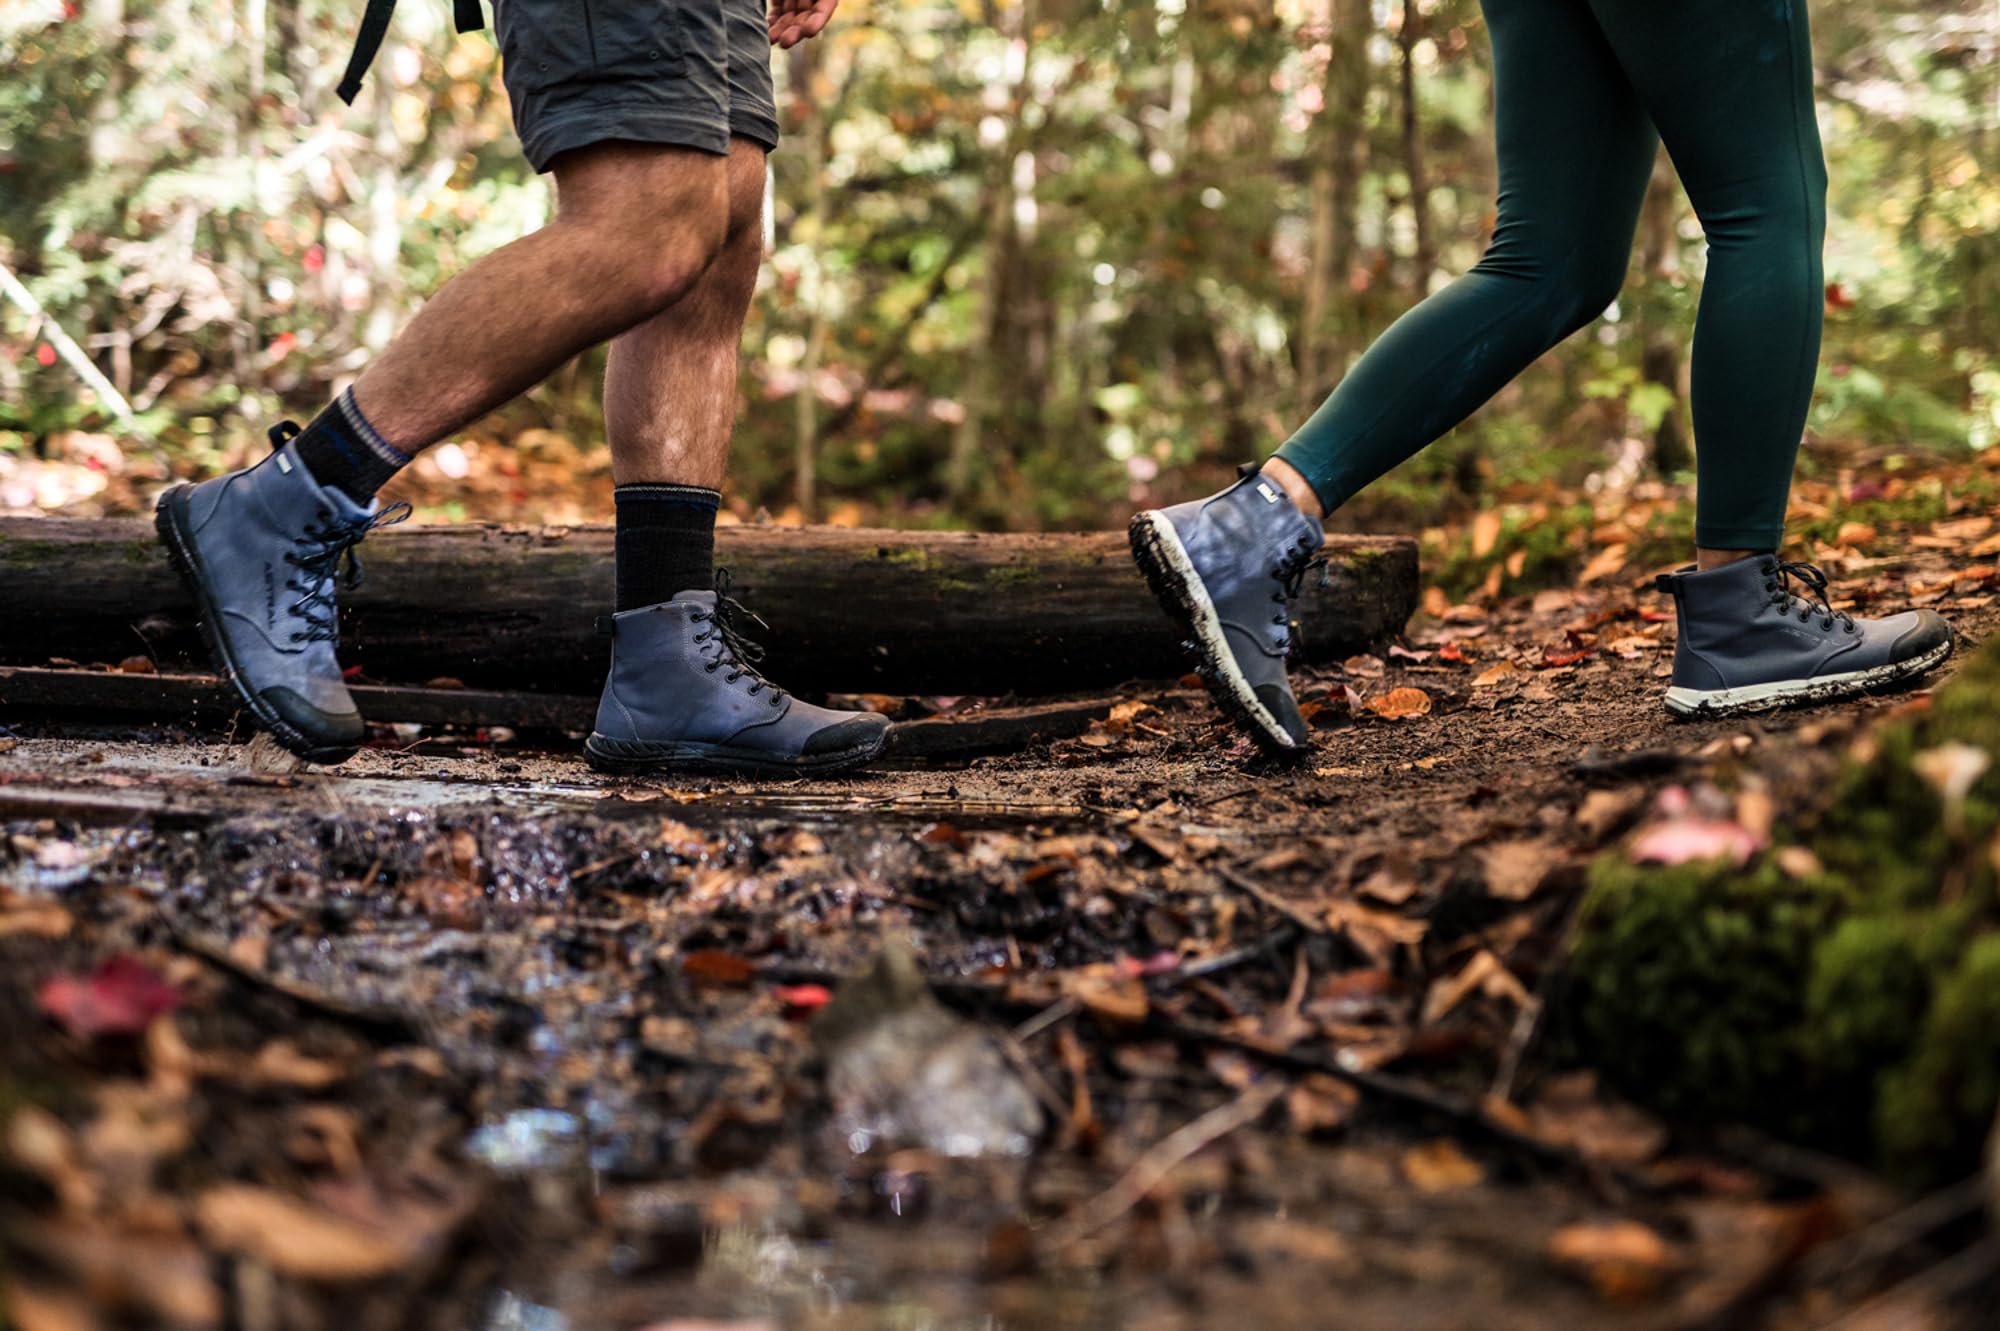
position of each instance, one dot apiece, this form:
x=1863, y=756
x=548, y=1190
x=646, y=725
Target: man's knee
x=658, y=216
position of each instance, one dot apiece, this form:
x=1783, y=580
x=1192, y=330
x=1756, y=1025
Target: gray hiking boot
x=682, y=694
x=1750, y=642
x=259, y=551
x=1226, y=568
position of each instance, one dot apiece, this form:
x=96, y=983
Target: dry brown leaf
x=1856, y=534
x=1485, y=533
x=1437, y=605
x=1605, y=563
x=1319, y=1104
x=1495, y=674
x=1516, y=870
x=1440, y=1166
x=1798, y=862
x=295, y=1238
x=1398, y=704
x=1116, y=999
x=1485, y=973
x=1363, y=666
x=1623, y=1259
x=1604, y=811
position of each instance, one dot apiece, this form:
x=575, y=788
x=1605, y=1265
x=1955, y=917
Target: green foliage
x=1859, y=1007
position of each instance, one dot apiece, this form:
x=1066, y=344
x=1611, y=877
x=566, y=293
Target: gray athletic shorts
x=685, y=72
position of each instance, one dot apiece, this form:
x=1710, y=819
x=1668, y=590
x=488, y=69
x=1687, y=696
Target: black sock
x=341, y=449
x=665, y=542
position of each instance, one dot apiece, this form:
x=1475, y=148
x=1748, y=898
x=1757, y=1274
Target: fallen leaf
x=1398, y=704
x=1855, y=534
x=1495, y=674
x=1799, y=862
x=803, y=998
x=1485, y=973
x=1320, y=1104
x=1436, y=603
x=1363, y=667
x=1118, y=1000
x=1440, y=1166
x=717, y=968
x=1680, y=840
x=295, y=1238
x=121, y=997
x=137, y=665
x=1951, y=769
x=1623, y=1259
x=1485, y=533
x=1515, y=870
x=1604, y=563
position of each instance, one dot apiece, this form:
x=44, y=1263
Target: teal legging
x=1580, y=86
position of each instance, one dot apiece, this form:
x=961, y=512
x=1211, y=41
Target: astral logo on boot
x=1270, y=495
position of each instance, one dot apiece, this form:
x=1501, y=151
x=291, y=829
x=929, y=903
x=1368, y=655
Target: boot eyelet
x=711, y=668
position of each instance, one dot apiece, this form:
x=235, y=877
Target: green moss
x=1691, y=980
x=1859, y=1009
x=1934, y=1110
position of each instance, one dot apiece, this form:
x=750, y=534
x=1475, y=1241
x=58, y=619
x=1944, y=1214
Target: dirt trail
x=552, y=1031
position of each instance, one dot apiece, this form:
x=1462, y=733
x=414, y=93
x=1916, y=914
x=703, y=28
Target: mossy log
x=1857, y=1006
x=935, y=612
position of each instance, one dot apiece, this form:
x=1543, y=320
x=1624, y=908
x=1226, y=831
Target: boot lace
x=318, y=556
x=731, y=650
x=1779, y=575
x=1290, y=574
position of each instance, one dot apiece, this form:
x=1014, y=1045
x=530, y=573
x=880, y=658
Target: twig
x=1060, y=1010
x=65, y=346
x=1412, y=1094
x=1528, y=1021
x=1150, y=1169
x=378, y=1018
x=1952, y=1276
x=1266, y=896
x=1900, y=1228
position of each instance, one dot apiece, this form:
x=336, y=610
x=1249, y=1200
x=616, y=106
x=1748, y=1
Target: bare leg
x=636, y=228
x=670, y=383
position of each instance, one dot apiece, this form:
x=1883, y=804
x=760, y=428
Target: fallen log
x=513, y=609
x=205, y=700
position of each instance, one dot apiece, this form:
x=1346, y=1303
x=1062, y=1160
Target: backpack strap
x=467, y=15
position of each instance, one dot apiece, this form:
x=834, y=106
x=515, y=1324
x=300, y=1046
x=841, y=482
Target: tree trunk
x=1336, y=179
x=944, y=612
x=1413, y=154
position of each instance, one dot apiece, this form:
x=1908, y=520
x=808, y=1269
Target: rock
x=903, y=1071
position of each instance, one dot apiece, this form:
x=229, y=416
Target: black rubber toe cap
x=860, y=734
x=1279, y=703
x=320, y=735
x=1930, y=633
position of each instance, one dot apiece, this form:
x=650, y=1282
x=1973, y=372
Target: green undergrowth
x=1855, y=1005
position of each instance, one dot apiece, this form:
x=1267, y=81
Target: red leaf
x=803, y=998
x=1556, y=656
x=120, y=997
x=714, y=967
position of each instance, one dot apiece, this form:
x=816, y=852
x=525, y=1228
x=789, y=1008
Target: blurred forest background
x=1033, y=261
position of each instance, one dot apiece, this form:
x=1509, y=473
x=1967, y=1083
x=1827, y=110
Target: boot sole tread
x=1160, y=557
x=1695, y=704
x=631, y=756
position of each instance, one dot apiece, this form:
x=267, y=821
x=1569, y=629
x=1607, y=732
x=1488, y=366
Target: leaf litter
x=1170, y=1027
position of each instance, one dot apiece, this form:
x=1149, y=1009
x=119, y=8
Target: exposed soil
x=551, y=1033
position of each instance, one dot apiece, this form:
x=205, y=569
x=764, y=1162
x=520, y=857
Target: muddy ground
x=466, y=1036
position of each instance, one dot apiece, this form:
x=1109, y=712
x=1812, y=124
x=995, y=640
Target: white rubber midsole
x=1208, y=627
x=1757, y=697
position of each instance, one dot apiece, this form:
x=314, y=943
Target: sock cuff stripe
x=692, y=496
x=381, y=447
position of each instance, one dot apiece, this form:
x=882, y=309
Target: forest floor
x=464, y=1035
